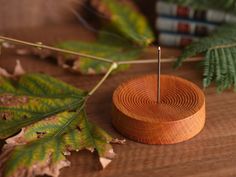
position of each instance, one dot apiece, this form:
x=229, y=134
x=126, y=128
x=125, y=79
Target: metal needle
x=158, y=75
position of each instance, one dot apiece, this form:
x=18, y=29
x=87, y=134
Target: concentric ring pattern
x=179, y=116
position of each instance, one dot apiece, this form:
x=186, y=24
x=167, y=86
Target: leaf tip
x=18, y=71
x=104, y=162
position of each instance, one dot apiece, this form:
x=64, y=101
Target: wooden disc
x=179, y=116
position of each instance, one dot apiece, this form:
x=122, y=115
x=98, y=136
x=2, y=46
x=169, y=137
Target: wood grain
x=210, y=154
x=178, y=117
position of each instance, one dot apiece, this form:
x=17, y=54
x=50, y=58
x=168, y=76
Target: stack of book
x=179, y=25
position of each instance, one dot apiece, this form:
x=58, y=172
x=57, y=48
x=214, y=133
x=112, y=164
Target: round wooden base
x=179, y=116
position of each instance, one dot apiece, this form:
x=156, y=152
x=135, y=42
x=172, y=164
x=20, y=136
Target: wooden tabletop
x=212, y=153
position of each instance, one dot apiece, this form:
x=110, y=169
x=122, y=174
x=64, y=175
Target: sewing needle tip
x=158, y=74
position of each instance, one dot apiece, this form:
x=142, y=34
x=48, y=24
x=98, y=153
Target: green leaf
x=35, y=97
x=123, y=38
x=44, y=145
x=52, y=119
x=129, y=22
x=220, y=59
x=89, y=66
x=110, y=36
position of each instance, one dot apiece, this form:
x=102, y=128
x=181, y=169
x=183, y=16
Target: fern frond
x=232, y=65
x=219, y=50
x=209, y=69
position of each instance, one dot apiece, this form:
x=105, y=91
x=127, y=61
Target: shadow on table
x=1, y=143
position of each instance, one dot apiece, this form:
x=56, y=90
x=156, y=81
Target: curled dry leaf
x=118, y=141
x=42, y=53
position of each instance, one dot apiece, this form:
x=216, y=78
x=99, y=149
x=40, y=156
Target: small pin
x=158, y=74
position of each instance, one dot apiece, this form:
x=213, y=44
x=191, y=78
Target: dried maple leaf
x=51, y=120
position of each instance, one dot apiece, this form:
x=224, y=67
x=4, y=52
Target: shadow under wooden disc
x=179, y=116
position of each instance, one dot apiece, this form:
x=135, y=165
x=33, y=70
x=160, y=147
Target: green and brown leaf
x=127, y=20
x=112, y=52
x=50, y=120
x=124, y=37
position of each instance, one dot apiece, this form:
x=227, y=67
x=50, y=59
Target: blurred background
x=175, y=23
x=33, y=13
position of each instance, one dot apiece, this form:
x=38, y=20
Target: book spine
x=175, y=40
x=214, y=16
x=183, y=26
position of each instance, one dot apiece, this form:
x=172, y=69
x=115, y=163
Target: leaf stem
x=39, y=45
x=78, y=111
x=111, y=68
x=164, y=60
x=223, y=46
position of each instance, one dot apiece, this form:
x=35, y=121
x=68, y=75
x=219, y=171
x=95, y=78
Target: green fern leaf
x=231, y=65
x=52, y=120
x=209, y=69
x=220, y=59
x=224, y=35
x=88, y=66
